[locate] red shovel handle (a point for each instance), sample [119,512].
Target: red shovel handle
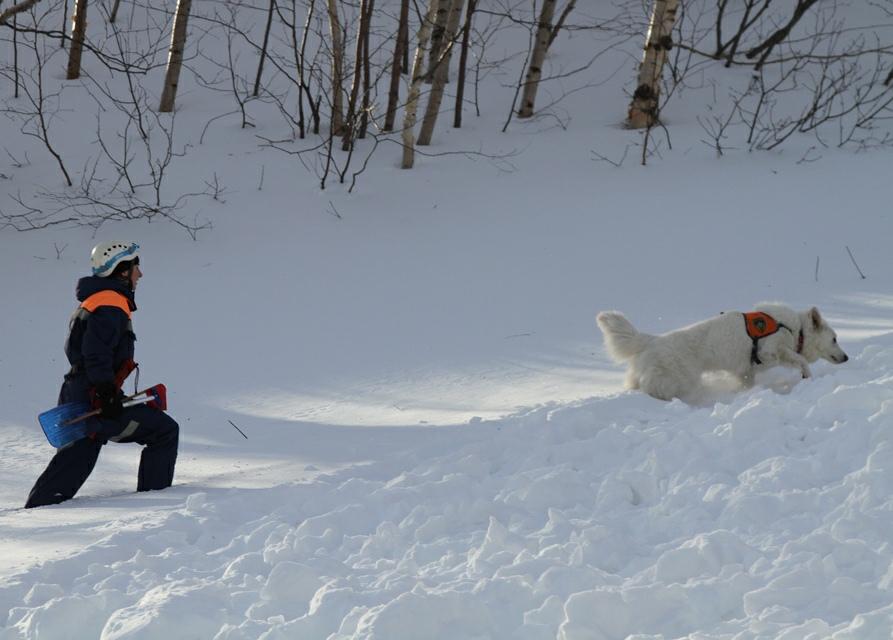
[160,393]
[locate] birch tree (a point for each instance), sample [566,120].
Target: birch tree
[535,70]
[337,69]
[415,87]
[643,110]
[78,33]
[175,57]
[441,74]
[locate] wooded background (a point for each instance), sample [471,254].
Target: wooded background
[335,73]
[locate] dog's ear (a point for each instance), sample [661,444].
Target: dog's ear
[815,317]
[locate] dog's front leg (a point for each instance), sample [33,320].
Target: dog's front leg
[791,357]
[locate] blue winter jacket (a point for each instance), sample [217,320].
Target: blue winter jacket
[99,342]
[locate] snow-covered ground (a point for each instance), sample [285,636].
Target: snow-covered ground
[767,516]
[437,445]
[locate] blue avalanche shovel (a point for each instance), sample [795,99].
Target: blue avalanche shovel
[68,422]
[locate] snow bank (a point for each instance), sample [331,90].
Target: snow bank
[618,517]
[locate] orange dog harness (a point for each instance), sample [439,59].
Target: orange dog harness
[761,325]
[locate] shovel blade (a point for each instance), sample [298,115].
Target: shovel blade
[53,423]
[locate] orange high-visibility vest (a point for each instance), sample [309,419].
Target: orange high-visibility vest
[106,298]
[109,298]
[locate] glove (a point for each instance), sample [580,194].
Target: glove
[109,399]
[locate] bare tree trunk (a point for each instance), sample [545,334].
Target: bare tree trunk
[720,12]
[415,87]
[405,36]
[463,63]
[24,5]
[643,110]
[15,55]
[175,57]
[441,73]
[298,53]
[535,70]
[114,13]
[263,50]
[367,75]
[64,22]
[78,33]
[560,22]
[299,63]
[337,69]
[349,124]
[394,92]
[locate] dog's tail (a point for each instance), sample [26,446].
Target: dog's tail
[621,338]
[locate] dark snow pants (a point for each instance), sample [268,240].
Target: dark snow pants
[72,464]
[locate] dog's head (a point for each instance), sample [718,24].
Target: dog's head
[820,341]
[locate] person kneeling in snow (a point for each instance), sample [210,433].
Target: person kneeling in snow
[100,349]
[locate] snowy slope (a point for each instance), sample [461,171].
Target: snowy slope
[765,517]
[369,501]
[437,445]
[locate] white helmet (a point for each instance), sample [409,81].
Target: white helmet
[107,255]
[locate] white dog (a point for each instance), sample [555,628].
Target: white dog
[670,365]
